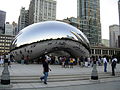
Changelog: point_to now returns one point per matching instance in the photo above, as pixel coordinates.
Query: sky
(66, 8)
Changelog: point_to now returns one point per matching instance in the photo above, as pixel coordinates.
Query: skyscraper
(2, 21)
(8, 29)
(114, 33)
(23, 19)
(119, 23)
(15, 28)
(88, 14)
(42, 10)
(31, 11)
(119, 41)
(119, 10)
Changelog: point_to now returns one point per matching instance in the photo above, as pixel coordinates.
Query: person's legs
(113, 71)
(42, 77)
(105, 67)
(45, 77)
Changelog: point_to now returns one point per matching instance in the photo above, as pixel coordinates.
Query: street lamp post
(94, 75)
(5, 77)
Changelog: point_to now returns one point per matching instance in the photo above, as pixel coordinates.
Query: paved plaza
(58, 77)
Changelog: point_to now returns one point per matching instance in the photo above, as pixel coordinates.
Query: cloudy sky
(66, 8)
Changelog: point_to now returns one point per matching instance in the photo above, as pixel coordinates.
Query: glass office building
(2, 21)
(88, 14)
(5, 42)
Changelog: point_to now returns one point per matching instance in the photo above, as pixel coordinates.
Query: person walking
(105, 64)
(45, 69)
(113, 64)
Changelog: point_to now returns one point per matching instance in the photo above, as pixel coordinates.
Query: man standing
(114, 61)
(105, 64)
(45, 69)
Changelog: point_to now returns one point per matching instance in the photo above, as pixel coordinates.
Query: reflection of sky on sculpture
(46, 30)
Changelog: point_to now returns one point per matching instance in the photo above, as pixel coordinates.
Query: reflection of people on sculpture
(45, 69)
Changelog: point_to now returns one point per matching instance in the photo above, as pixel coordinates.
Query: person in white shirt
(113, 64)
(105, 64)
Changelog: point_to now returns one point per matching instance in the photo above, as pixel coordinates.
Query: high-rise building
(23, 19)
(31, 11)
(88, 14)
(42, 10)
(114, 33)
(5, 42)
(119, 41)
(8, 29)
(2, 21)
(15, 28)
(11, 29)
(105, 42)
(119, 10)
(119, 23)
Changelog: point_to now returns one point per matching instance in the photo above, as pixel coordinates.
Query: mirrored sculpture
(47, 37)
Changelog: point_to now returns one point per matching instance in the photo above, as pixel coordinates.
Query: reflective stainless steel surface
(49, 36)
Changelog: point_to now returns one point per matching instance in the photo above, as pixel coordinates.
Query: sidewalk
(36, 70)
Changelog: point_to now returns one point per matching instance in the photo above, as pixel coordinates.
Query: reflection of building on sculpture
(50, 36)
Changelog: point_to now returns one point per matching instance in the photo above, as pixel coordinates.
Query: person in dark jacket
(45, 69)
(113, 64)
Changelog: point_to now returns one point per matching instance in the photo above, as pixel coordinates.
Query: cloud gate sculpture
(47, 37)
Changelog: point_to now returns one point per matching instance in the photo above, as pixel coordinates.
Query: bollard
(94, 75)
(5, 77)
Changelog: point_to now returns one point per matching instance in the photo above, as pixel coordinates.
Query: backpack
(114, 63)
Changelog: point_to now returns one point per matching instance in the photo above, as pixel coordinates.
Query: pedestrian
(82, 61)
(63, 61)
(113, 64)
(27, 59)
(9, 62)
(99, 61)
(45, 69)
(86, 62)
(71, 62)
(48, 58)
(1, 61)
(56, 60)
(22, 60)
(67, 62)
(105, 64)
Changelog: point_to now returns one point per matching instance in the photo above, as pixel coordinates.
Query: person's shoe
(45, 83)
(41, 79)
(113, 74)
